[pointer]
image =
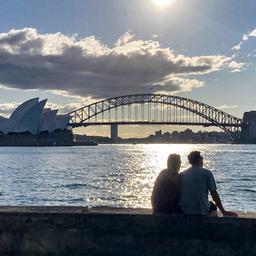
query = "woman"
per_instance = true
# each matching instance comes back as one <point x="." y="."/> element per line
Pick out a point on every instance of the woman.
<point x="165" y="195"/>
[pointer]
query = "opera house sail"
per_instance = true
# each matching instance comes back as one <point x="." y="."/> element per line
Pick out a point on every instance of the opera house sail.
<point x="48" y="121"/>
<point x="31" y="124"/>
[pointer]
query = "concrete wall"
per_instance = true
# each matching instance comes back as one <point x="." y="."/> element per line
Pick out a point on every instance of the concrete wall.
<point x="43" y="233"/>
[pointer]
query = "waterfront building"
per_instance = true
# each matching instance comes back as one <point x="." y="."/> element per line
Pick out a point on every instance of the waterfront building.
<point x="31" y="124"/>
<point x="31" y="117"/>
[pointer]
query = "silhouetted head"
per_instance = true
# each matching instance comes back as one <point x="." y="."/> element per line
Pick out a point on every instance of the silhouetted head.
<point x="174" y="162"/>
<point x="195" y="159"/>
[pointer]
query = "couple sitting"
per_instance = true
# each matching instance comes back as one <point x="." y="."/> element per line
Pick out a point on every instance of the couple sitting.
<point x="188" y="191"/>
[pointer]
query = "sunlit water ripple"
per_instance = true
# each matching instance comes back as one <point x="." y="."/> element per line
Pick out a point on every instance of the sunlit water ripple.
<point x="117" y="175"/>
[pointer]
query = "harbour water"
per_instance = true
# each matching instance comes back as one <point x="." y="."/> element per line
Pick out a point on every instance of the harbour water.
<point x="117" y="175"/>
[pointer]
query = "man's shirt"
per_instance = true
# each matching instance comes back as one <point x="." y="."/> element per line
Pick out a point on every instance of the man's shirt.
<point x="196" y="182"/>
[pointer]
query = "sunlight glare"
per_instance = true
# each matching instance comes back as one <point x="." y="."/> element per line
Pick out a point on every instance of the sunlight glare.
<point x="162" y="3"/>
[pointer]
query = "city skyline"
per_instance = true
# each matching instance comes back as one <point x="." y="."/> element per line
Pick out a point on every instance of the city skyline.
<point x="78" y="52"/>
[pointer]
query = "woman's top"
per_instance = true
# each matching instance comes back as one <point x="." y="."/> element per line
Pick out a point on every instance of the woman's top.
<point x="166" y="192"/>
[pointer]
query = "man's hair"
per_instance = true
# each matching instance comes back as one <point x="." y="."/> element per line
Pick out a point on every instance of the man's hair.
<point x="194" y="157"/>
<point x="173" y="160"/>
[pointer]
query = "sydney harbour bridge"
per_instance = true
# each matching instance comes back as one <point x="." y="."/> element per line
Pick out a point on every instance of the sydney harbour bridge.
<point x="155" y="109"/>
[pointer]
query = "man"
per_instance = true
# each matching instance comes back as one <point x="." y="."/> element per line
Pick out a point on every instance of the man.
<point x="196" y="183"/>
<point x="165" y="195"/>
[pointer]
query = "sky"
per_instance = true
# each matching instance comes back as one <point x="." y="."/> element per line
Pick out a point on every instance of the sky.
<point x="80" y="51"/>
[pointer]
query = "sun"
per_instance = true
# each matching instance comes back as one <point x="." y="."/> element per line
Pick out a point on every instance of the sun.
<point x="162" y="3"/>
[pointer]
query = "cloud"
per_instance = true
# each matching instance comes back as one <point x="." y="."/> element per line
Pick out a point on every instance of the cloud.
<point x="238" y="46"/>
<point x="252" y="33"/>
<point x="178" y="84"/>
<point x="237" y="66"/>
<point x="87" y="67"/>
<point x="223" y="107"/>
<point x="7" y="108"/>
<point x="66" y="108"/>
<point x="245" y="38"/>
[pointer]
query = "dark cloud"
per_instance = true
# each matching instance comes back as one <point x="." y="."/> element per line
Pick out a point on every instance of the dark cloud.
<point x="86" y="67"/>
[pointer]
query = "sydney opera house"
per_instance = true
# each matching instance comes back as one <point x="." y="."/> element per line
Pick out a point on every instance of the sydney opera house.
<point x="33" y="124"/>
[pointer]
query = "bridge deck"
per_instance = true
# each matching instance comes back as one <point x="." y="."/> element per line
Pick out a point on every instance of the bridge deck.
<point x="154" y="123"/>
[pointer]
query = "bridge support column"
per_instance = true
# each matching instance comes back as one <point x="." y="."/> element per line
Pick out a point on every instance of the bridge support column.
<point x="248" y="134"/>
<point x="114" y="132"/>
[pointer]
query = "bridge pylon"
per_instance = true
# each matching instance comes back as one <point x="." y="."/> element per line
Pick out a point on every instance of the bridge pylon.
<point x="248" y="132"/>
<point x="114" y="132"/>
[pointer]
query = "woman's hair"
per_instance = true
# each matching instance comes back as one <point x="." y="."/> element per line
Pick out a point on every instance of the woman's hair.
<point x="173" y="161"/>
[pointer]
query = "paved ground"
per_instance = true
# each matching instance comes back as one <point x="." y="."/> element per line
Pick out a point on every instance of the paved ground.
<point x="86" y="210"/>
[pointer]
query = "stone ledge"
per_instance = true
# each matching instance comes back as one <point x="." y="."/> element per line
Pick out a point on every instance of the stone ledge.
<point x="110" y="231"/>
<point x="99" y="210"/>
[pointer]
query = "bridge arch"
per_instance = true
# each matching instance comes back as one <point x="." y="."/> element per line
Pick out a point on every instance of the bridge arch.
<point x="212" y="115"/>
